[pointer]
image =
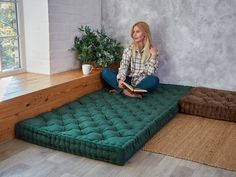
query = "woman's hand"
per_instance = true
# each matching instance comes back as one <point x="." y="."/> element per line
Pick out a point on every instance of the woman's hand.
<point x="120" y="84"/>
<point x="153" y="52"/>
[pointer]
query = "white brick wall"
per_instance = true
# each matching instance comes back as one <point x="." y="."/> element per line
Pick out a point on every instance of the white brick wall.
<point x="36" y="30"/>
<point x="64" y="19"/>
<point x="50" y="27"/>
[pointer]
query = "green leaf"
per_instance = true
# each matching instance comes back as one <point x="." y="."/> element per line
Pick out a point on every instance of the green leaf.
<point x="96" y="47"/>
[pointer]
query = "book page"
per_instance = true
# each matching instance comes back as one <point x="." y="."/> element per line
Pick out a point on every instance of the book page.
<point x="129" y="87"/>
<point x="139" y="90"/>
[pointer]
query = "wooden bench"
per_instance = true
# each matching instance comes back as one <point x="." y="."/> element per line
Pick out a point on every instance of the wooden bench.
<point x="210" y="103"/>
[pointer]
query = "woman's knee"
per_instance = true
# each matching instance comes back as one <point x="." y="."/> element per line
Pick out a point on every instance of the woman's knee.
<point x="106" y="72"/>
<point x="154" y="79"/>
<point x="155" y="82"/>
<point x="149" y="83"/>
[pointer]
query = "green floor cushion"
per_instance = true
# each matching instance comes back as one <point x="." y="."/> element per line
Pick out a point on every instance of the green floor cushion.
<point x="102" y="125"/>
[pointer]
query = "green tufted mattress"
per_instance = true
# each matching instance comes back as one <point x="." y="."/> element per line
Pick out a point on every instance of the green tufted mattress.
<point x="102" y="125"/>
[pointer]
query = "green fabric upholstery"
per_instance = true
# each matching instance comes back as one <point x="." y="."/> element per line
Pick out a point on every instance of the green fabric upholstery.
<point x="102" y="125"/>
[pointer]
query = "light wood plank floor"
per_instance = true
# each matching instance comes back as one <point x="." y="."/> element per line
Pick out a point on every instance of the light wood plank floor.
<point x="22" y="84"/>
<point x="22" y="159"/>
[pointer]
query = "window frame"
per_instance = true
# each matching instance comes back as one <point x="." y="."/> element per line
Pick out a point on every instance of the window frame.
<point x="21" y="42"/>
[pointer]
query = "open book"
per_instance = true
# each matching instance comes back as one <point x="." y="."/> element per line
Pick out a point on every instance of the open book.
<point x="132" y="89"/>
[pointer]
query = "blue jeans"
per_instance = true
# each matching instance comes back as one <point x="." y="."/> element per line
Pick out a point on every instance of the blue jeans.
<point x="148" y="83"/>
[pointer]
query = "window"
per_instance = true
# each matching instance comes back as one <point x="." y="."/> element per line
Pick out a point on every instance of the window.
<point x="10" y="53"/>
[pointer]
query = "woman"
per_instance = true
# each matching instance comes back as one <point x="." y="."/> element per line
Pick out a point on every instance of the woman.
<point x="138" y="64"/>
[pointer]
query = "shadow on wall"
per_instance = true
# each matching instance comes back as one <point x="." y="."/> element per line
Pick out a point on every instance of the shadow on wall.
<point x="163" y="58"/>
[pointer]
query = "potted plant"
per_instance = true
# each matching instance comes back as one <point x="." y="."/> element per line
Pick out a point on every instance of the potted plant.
<point x="84" y="45"/>
<point x="96" y="47"/>
<point x="108" y="50"/>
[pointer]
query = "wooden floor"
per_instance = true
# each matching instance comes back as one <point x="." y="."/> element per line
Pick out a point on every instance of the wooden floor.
<point x="26" y="95"/>
<point x="21" y="159"/>
<point x="22" y="84"/>
<point x="30" y="92"/>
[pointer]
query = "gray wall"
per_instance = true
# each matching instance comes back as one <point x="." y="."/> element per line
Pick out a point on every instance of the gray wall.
<point x="65" y="16"/>
<point x="196" y="39"/>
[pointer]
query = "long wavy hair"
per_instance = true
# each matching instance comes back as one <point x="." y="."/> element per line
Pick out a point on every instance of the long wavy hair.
<point x="143" y="26"/>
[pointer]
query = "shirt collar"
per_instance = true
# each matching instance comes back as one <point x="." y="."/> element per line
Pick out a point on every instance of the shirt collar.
<point x="137" y="50"/>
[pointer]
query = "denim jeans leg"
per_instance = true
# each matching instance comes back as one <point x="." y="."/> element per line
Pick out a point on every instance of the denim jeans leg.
<point x="128" y="80"/>
<point x="149" y="83"/>
<point x="110" y="77"/>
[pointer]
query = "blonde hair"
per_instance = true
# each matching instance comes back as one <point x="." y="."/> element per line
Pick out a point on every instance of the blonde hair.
<point x="143" y="26"/>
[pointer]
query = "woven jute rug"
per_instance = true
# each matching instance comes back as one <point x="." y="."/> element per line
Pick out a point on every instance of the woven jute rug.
<point x="207" y="141"/>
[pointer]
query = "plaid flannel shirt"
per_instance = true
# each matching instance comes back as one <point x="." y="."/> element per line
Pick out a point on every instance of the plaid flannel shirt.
<point x="134" y="68"/>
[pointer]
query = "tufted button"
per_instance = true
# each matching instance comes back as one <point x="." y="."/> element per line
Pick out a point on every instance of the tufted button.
<point x="110" y="133"/>
<point x="72" y="133"/>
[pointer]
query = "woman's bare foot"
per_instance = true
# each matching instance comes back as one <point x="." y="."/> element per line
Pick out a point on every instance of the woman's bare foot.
<point x="113" y="91"/>
<point x="130" y="94"/>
